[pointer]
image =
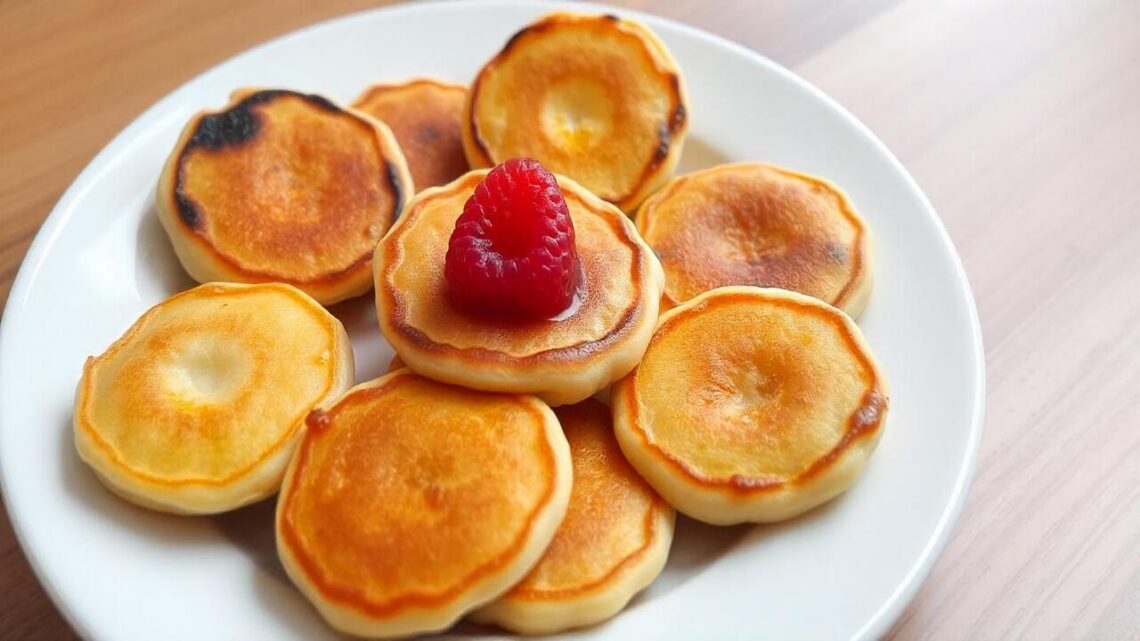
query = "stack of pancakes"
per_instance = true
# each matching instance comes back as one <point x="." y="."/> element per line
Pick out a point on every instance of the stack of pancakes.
<point x="482" y="475"/>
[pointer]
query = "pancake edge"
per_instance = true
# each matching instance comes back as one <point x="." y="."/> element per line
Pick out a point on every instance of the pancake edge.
<point x="204" y="262"/>
<point x="258" y="480"/>
<point x="366" y="95"/>
<point x="724" y="502"/>
<point x="654" y="173"/>
<point x="542" y="373"/>
<point x="352" y="619"/>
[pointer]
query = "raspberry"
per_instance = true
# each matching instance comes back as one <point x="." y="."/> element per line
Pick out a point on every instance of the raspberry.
<point x="512" y="251"/>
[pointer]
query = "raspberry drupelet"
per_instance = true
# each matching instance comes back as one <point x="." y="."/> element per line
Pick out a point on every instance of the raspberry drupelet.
<point x="512" y="252"/>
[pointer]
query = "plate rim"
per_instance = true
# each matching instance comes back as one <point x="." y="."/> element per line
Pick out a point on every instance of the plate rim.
<point x="134" y="133"/>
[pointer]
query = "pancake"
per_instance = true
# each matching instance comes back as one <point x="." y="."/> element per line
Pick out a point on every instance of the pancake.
<point x="395" y="365"/>
<point x="762" y="225"/>
<point x="282" y="187"/>
<point x="562" y="360"/>
<point x="410" y="502"/>
<point x="198" y="407"/>
<point x="595" y="98"/>
<point x="426" y="117"/>
<point x="751" y="405"/>
<point x="612" y="544"/>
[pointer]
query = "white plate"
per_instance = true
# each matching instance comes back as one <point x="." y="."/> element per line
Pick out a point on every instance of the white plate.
<point x="843" y="571"/>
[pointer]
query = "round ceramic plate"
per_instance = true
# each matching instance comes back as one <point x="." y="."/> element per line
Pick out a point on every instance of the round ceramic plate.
<point x="843" y="571"/>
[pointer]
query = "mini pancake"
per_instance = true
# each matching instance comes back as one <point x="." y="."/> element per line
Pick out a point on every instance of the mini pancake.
<point x="762" y="225"/>
<point x="751" y="405"/>
<point x="198" y="407"/>
<point x="562" y="360"/>
<point x="612" y="544"/>
<point x="595" y="98"/>
<point x="426" y="117"/>
<point x="285" y="187"/>
<point x="395" y="364"/>
<point x="410" y="502"/>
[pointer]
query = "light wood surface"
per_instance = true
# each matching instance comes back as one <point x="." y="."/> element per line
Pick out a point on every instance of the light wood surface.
<point x="1021" y="120"/>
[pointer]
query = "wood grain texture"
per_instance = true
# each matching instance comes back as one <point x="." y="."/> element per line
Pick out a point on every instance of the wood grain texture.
<point x="1021" y="120"/>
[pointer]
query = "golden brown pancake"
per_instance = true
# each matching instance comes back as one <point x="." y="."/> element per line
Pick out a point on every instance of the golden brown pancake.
<point x="612" y="544"/>
<point x="426" y="117"/>
<point x="762" y="225"/>
<point x="595" y="98"/>
<point x="285" y="187"/>
<point x="198" y="407"/>
<point x="561" y="360"/>
<point x="751" y="405"/>
<point x="409" y="502"/>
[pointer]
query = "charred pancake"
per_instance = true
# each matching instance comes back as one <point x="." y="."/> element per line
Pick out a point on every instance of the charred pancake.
<point x="595" y="98"/>
<point x="409" y="502"/>
<point x="762" y="225"/>
<point x="282" y="187"/>
<point x="751" y="405"/>
<point x="612" y="544"/>
<point x="562" y="360"/>
<point x="198" y="407"/>
<point x="426" y="117"/>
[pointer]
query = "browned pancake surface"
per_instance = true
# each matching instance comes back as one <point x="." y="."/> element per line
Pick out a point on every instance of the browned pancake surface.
<point x="595" y="98"/>
<point x="407" y="494"/>
<point x="196" y="393"/>
<point x="755" y="224"/>
<point x="286" y="186"/>
<point x="610" y="523"/>
<point x="751" y="391"/>
<point x="425" y="116"/>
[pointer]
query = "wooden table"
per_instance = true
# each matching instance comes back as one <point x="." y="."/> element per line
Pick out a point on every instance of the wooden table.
<point x="1021" y="120"/>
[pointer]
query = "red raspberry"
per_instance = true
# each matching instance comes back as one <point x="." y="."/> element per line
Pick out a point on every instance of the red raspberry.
<point x="512" y="251"/>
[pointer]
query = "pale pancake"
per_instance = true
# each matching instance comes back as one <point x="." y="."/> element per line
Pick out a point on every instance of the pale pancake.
<point x="595" y="98"/>
<point x="762" y="225"/>
<point x="285" y="187"/>
<point x="410" y="502"/>
<point x="198" y="407"/>
<point x="612" y="544"/>
<point x="751" y="405"/>
<point x="562" y="360"/>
